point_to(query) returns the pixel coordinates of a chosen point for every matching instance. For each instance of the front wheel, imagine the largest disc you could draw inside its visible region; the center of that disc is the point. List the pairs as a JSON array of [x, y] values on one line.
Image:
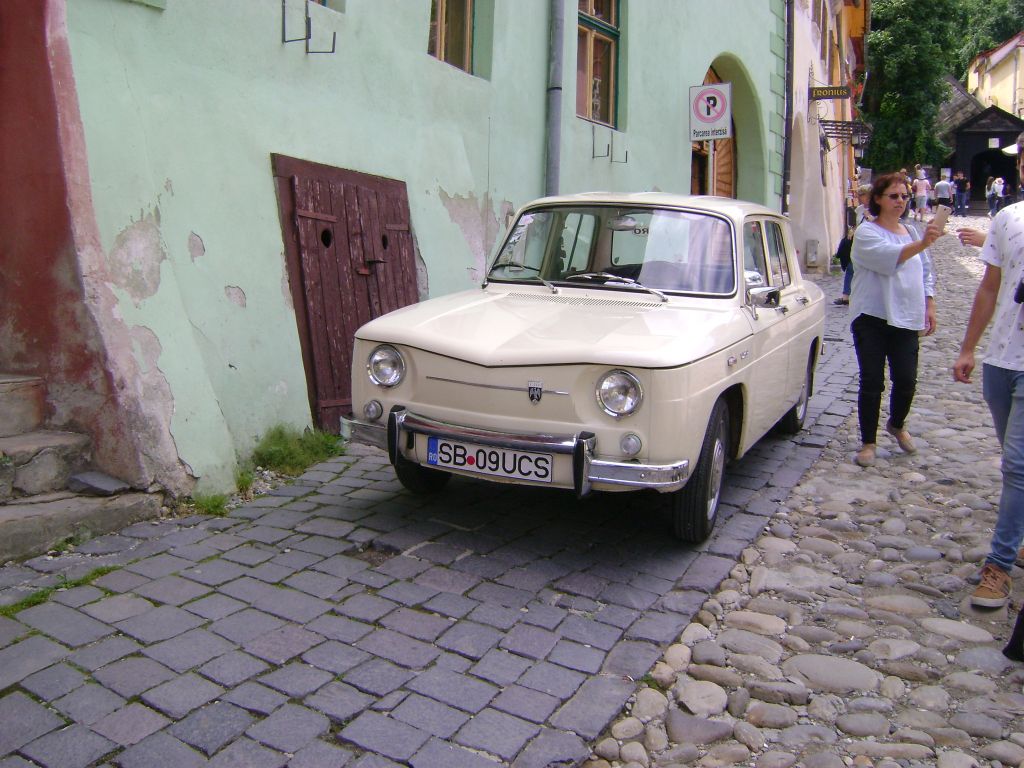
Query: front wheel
[[418, 479], [695, 506]]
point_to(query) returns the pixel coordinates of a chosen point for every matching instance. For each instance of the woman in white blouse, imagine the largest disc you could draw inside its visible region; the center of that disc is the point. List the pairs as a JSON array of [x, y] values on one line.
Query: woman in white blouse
[[892, 305]]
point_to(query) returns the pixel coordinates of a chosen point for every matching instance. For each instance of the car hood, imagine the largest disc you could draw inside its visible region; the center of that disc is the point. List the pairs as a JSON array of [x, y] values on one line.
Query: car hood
[[504, 328]]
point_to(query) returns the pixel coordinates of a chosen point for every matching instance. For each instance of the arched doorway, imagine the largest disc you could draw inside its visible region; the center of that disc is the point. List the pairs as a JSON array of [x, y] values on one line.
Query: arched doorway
[[713, 163], [991, 163]]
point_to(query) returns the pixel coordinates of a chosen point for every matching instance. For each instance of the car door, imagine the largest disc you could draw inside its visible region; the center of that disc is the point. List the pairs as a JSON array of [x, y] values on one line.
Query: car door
[[770, 350], [794, 302]]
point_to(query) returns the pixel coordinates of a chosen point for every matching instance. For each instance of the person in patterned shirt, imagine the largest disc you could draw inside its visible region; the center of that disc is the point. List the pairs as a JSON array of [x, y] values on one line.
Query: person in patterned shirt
[[1000, 297]]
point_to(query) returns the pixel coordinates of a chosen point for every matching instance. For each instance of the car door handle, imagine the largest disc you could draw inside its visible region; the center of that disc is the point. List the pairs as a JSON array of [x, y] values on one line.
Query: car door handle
[[803, 299], [782, 308]]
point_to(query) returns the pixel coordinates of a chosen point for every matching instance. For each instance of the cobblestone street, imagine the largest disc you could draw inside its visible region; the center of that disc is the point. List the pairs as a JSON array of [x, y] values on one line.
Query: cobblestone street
[[339, 621]]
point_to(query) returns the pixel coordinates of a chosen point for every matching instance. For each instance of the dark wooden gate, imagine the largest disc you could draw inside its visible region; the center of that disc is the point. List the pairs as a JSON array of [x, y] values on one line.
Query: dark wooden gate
[[350, 259]]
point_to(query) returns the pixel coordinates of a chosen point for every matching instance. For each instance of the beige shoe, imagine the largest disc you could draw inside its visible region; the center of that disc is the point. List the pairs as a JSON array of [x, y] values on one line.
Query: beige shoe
[[1020, 558], [994, 589], [865, 456], [902, 437]]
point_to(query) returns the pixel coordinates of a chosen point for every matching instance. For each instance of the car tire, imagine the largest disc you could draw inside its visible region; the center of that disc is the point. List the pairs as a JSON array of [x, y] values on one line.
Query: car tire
[[793, 421], [695, 506], [418, 479]]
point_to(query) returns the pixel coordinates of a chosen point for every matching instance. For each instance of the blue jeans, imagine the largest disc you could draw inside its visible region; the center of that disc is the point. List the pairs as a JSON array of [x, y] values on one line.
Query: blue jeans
[[961, 203], [1004, 392], [848, 279]]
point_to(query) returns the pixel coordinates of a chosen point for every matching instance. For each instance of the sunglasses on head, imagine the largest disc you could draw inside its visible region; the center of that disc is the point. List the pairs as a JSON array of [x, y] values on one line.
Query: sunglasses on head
[[898, 196]]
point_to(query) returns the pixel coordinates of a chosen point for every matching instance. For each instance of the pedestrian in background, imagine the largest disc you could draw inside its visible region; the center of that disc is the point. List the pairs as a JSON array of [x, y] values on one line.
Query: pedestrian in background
[[892, 303], [944, 192], [990, 196], [961, 190], [1000, 297], [922, 188], [860, 213]]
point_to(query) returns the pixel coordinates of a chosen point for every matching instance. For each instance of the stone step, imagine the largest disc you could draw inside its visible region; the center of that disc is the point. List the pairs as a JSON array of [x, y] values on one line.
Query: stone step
[[22, 403], [40, 461], [34, 525]]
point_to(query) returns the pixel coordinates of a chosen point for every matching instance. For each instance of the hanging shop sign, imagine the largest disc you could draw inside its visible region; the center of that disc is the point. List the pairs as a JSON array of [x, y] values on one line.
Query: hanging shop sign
[[822, 93]]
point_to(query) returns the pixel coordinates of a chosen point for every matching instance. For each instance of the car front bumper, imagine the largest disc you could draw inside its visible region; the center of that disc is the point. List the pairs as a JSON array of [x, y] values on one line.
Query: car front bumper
[[587, 470]]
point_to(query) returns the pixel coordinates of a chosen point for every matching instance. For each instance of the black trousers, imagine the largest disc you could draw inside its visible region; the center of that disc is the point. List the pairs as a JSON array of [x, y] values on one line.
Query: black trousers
[[876, 343]]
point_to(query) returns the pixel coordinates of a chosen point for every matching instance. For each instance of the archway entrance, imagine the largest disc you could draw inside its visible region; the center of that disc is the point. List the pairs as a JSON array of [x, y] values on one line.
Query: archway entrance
[[713, 163]]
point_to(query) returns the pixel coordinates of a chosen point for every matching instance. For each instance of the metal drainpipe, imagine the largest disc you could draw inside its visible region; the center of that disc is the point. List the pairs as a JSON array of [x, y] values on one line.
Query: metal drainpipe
[[553, 138], [787, 142]]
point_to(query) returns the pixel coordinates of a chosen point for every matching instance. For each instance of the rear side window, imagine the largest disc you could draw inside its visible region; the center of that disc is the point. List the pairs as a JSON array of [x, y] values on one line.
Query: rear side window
[[755, 270], [777, 256]]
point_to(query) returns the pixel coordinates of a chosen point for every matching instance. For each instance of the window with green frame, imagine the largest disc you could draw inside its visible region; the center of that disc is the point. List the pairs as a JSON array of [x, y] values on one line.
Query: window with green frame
[[451, 32], [597, 59]]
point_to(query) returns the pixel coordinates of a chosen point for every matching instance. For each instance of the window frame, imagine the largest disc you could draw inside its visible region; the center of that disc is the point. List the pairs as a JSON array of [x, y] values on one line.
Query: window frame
[[592, 29], [437, 36]]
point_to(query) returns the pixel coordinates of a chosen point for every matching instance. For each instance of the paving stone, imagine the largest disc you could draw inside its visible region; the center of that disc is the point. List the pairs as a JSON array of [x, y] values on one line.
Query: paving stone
[[22, 721], [215, 606], [550, 748], [188, 650], [553, 680], [213, 573], [436, 753], [341, 566], [76, 597], [526, 703], [292, 605], [338, 701], [631, 658], [658, 627], [246, 753], [181, 695], [375, 732], [283, 643], [117, 608], [407, 593], [320, 585], [323, 547], [497, 733], [17, 762], [130, 677], [592, 708], [416, 624], [470, 639], [130, 724], [161, 623], [255, 697], [159, 566], [589, 632], [245, 625], [430, 716], [398, 648], [289, 728], [160, 749], [320, 754], [447, 580], [271, 573], [89, 703], [500, 667], [72, 747], [378, 677], [172, 590], [232, 668], [339, 628], [496, 616], [572, 655], [53, 682], [366, 608], [296, 679], [213, 726], [10, 630], [120, 581], [532, 642], [67, 625], [105, 651], [546, 616], [453, 688]]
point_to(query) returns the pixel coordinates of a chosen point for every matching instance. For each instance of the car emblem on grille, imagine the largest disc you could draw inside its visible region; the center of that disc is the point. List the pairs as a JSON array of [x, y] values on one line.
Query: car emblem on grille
[[535, 389]]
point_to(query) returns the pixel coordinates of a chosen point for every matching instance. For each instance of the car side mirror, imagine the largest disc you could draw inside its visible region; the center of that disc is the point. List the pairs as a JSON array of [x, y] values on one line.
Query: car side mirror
[[767, 297]]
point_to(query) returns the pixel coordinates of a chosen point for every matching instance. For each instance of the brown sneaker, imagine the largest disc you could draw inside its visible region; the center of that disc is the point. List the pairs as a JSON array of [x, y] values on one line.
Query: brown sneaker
[[994, 589], [906, 442]]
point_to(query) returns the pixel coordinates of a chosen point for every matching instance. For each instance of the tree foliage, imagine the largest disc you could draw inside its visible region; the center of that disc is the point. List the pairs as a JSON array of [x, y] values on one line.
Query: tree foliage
[[912, 46], [987, 23]]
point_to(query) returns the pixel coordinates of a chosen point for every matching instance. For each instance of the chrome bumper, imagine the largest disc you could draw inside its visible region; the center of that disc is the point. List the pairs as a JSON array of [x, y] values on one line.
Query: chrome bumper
[[402, 426]]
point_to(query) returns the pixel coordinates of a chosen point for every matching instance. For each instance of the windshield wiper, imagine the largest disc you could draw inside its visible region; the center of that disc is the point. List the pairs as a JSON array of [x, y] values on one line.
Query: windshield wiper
[[610, 278], [515, 266]]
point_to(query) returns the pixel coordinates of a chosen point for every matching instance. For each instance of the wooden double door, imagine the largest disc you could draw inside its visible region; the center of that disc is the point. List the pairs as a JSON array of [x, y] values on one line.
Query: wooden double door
[[350, 257]]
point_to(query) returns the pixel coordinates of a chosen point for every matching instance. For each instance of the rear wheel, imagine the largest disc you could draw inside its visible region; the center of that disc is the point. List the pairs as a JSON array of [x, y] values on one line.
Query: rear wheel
[[793, 421], [418, 479], [695, 506]]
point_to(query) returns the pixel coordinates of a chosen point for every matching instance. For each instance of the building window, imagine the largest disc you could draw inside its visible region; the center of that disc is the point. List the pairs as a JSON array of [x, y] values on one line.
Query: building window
[[451, 32], [597, 51]]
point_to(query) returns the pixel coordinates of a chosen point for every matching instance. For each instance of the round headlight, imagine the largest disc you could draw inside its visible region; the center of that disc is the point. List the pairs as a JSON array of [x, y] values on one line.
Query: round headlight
[[386, 366], [619, 393]]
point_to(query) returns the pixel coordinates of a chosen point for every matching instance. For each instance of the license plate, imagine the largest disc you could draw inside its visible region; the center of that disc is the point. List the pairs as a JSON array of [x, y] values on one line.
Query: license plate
[[500, 462]]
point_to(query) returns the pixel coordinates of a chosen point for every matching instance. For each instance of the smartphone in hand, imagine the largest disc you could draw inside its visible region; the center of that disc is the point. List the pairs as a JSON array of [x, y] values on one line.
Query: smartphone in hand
[[942, 215]]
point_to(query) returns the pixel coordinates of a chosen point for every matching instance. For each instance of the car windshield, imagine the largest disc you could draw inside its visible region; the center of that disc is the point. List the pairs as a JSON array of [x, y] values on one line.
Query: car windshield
[[657, 248]]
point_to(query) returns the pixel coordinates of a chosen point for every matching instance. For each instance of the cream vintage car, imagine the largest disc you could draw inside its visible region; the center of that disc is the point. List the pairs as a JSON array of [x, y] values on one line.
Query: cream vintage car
[[618, 343]]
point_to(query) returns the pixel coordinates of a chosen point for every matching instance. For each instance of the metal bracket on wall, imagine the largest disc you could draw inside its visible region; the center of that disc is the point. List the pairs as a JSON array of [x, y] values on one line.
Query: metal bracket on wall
[[309, 29], [611, 150], [593, 144]]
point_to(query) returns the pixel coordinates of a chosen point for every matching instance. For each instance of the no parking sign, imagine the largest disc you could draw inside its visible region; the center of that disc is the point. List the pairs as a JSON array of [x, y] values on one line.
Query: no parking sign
[[710, 111]]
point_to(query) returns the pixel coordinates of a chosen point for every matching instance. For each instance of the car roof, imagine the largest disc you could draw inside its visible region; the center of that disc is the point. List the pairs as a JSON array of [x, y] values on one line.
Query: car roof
[[737, 209]]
